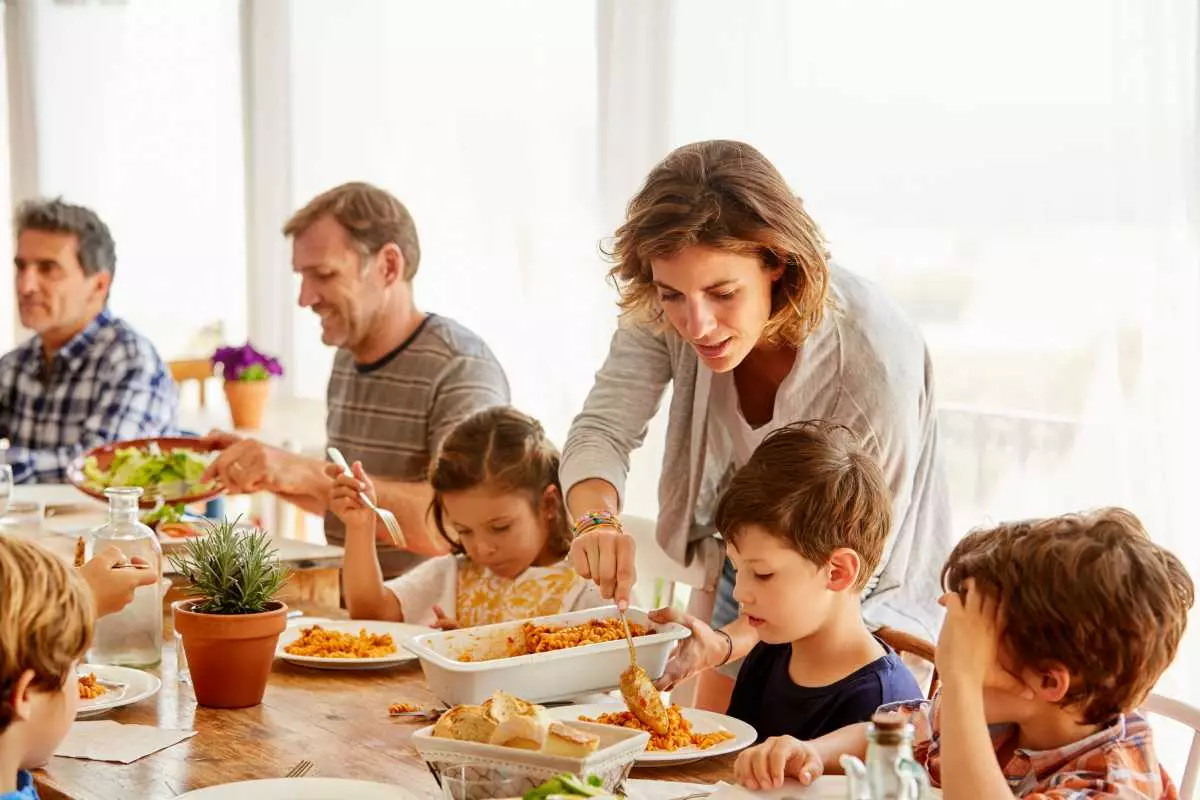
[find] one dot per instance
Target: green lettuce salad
(148, 468)
(569, 786)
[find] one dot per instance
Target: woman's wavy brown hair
(1088, 591)
(725, 195)
(507, 451)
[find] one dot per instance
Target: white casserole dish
(611, 762)
(541, 677)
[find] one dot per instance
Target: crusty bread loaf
(466, 724)
(512, 722)
(518, 722)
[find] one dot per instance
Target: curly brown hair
(506, 450)
(371, 216)
(47, 621)
(725, 195)
(812, 485)
(1089, 591)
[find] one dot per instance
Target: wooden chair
(192, 369)
(1187, 715)
(903, 642)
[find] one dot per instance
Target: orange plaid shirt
(1117, 762)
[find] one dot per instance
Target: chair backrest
(1190, 716)
(903, 642)
(192, 369)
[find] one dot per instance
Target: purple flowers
(245, 363)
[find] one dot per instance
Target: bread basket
(493, 765)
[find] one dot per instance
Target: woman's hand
(344, 500)
(606, 555)
(113, 588)
(705, 649)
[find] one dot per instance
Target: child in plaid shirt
(1056, 631)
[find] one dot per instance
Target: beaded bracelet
(728, 648)
(597, 519)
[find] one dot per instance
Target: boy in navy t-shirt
(805, 521)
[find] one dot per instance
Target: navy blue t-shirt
(766, 697)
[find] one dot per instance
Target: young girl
(498, 504)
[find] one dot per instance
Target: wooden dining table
(336, 719)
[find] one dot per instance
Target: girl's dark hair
(506, 450)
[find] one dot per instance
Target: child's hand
(112, 588)
(765, 766)
(968, 648)
(443, 623)
(704, 649)
(344, 500)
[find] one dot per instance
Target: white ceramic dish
(702, 722)
(400, 632)
(299, 789)
(542, 677)
(125, 686)
(611, 761)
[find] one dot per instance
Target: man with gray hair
(85, 378)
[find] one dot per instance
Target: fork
(300, 770)
(387, 517)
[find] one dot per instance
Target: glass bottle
(890, 773)
(133, 636)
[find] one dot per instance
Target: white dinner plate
(702, 722)
(299, 789)
(826, 787)
(399, 631)
(125, 686)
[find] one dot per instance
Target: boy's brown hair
(812, 485)
(725, 195)
(506, 450)
(1089, 591)
(46, 624)
(372, 217)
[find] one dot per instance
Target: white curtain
(134, 109)
(482, 119)
(1022, 178)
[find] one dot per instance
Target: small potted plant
(232, 623)
(247, 374)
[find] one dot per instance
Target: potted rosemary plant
(232, 623)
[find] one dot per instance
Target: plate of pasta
(694, 734)
(103, 688)
(347, 644)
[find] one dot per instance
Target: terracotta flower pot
(229, 655)
(247, 402)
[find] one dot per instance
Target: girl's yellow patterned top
(484, 598)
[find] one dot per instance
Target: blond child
(498, 504)
(45, 628)
(1056, 631)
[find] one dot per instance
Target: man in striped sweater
(402, 377)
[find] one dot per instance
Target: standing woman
(728, 295)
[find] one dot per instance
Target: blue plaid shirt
(106, 385)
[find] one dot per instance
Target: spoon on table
(641, 698)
